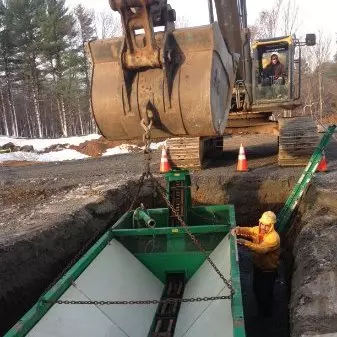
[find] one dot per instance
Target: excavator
(192, 86)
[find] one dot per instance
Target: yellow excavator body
(189, 85)
(191, 99)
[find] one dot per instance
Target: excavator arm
(185, 82)
(180, 79)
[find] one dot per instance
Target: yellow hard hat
(268, 218)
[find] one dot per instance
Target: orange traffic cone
(323, 165)
(164, 164)
(242, 165)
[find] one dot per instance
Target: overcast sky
(314, 15)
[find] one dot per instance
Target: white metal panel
(211, 318)
(118, 275)
(115, 274)
(75, 320)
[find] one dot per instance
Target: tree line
(44, 72)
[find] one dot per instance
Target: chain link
(144, 302)
(147, 143)
(147, 159)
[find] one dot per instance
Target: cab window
(272, 79)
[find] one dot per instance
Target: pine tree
(7, 67)
(86, 32)
(57, 36)
(24, 30)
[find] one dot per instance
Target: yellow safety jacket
(265, 248)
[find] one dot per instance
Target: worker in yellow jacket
(264, 243)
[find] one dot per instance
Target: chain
(147, 143)
(193, 238)
(144, 302)
(147, 159)
(147, 173)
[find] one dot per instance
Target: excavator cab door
(273, 71)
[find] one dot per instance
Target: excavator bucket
(183, 84)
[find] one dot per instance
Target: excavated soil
(61, 221)
(312, 244)
(49, 212)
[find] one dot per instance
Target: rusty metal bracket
(142, 14)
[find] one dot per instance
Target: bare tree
(281, 19)
(108, 25)
(321, 55)
(317, 88)
(290, 13)
(268, 21)
(182, 22)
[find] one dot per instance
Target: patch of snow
(66, 154)
(127, 148)
(122, 149)
(41, 144)
(156, 146)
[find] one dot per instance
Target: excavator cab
(276, 69)
(273, 70)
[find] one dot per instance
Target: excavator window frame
(282, 45)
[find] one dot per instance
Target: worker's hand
(240, 242)
(235, 231)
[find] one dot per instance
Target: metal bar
(170, 230)
(303, 182)
(237, 305)
(210, 11)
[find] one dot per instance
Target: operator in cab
(264, 243)
(275, 72)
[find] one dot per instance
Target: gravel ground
(49, 211)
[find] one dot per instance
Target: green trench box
(144, 257)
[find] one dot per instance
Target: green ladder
(285, 214)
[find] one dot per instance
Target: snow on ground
(124, 148)
(61, 155)
(41, 144)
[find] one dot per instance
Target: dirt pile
(96, 147)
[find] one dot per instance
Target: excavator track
(192, 152)
(298, 138)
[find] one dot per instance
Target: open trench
(305, 291)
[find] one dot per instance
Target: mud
(312, 242)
